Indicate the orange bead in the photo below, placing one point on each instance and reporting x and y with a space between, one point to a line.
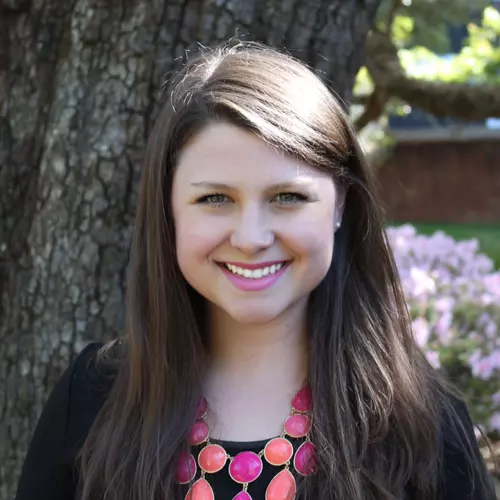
282 487
278 451
200 490
212 458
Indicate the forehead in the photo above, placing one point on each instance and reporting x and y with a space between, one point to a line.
222 152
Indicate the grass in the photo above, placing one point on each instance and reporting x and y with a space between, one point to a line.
488 235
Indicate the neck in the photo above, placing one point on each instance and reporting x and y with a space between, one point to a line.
271 354
254 372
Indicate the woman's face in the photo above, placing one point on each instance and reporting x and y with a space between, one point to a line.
254 226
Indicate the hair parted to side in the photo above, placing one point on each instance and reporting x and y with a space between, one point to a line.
378 404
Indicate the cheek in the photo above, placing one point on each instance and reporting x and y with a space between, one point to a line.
315 243
313 232
196 239
312 242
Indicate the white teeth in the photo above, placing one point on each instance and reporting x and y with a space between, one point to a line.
255 273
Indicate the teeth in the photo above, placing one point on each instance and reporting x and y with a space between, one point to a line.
255 273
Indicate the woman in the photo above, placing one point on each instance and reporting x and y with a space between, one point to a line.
268 351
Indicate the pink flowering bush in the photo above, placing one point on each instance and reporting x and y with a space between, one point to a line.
453 294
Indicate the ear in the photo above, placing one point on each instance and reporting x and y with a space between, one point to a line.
340 196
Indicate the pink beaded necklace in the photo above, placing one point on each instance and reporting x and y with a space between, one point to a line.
247 466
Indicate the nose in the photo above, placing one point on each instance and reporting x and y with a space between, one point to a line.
251 233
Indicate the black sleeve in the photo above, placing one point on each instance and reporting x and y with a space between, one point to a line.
47 473
464 473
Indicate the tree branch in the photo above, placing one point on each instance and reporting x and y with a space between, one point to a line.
361 99
374 107
395 5
458 100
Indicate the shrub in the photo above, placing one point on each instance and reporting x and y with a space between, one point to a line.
453 294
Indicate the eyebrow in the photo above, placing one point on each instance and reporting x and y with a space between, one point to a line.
281 186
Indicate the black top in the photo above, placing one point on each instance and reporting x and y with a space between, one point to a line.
48 471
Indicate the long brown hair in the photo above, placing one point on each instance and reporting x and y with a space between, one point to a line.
378 404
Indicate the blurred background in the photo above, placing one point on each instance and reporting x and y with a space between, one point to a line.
80 87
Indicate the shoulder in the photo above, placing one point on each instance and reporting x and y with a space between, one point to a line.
463 471
93 368
74 403
91 378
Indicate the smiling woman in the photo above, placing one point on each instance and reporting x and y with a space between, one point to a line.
268 351
252 218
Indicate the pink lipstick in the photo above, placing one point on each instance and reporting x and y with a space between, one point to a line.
259 280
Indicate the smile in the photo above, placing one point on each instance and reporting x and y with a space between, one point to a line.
254 277
257 273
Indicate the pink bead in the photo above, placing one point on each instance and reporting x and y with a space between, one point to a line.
282 487
297 425
278 451
212 458
305 459
245 467
201 409
186 468
302 402
242 495
200 490
199 433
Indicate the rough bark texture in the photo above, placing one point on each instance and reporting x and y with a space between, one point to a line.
79 84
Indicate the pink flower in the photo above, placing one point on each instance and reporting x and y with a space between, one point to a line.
495 421
422 282
443 328
477 432
433 359
421 330
492 284
484 366
445 304
453 295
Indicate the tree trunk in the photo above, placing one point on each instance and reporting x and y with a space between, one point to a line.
79 83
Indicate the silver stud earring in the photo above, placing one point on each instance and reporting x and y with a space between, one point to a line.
337 224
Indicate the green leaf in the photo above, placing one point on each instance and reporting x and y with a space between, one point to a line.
402 30
491 19
477 62
363 84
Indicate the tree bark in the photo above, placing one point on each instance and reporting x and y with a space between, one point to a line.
79 86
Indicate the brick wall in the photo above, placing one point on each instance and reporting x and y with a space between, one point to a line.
443 181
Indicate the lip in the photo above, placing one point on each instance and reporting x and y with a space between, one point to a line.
251 267
251 284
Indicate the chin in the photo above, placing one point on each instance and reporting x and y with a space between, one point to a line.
253 314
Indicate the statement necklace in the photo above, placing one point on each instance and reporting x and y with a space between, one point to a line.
247 466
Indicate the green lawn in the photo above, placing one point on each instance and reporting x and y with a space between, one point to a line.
488 235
